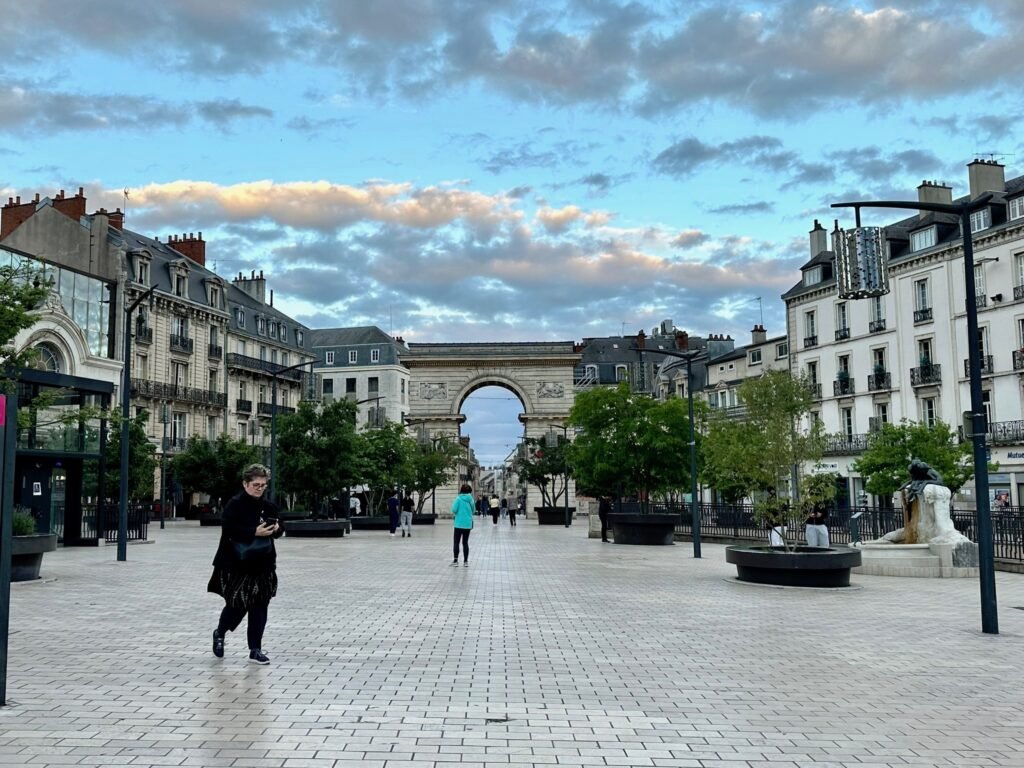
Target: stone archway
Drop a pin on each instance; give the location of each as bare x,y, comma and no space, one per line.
442,376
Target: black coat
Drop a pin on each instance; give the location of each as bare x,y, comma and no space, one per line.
241,517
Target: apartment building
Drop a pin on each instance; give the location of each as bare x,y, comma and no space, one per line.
904,355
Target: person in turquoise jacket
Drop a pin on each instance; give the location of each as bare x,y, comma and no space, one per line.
462,511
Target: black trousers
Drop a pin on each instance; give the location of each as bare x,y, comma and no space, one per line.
494,515
462,533
511,516
604,527
230,618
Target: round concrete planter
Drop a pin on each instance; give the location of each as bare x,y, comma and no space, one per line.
805,567
553,515
27,555
650,530
315,529
424,519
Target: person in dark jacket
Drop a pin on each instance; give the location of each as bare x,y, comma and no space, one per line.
604,508
816,529
245,569
394,503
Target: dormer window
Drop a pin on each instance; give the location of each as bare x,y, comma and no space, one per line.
261,326
282,332
981,220
329,358
142,272
1015,208
240,317
923,238
298,337
374,355
812,276
181,286
214,296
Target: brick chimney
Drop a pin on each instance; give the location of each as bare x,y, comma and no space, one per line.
933,192
117,219
682,340
986,176
14,213
72,207
190,246
641,339
758,335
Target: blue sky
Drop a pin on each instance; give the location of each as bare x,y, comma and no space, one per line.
502,170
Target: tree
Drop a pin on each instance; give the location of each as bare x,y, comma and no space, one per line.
383,453
214,467
891,449
142,461
318,451
21,291
768,445
429,465
542,465
629,443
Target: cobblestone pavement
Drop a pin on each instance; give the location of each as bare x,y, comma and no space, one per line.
549,649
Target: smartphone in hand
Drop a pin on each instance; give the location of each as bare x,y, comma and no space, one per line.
270,521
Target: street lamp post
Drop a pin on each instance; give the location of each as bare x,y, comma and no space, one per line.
986,560
694,510
273,420
164,418
126,392
553,442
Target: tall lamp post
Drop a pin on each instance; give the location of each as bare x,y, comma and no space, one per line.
126,395
165,416
861,245
552,440
273,419
694,510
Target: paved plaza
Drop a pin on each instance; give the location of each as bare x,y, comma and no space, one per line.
549,649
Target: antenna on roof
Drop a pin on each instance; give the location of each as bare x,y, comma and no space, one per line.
125,204
994,156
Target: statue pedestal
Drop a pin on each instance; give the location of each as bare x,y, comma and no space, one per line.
927,561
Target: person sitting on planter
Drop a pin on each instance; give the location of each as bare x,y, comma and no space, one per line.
816,529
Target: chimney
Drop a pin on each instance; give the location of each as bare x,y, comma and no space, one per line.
13,214
986,176
719,345
641,339
253,285
933,192
72,207
759,335
819,239
117,219
190,246
682,340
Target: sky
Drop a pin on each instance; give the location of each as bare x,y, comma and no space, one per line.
466,170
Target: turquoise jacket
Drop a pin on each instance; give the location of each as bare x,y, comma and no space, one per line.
462,510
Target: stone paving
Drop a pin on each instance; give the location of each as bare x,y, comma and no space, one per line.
549,649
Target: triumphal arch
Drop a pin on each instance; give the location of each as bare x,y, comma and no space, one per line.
540,374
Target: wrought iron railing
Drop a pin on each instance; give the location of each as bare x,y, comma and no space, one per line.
842,333
879,381
243,406
923,315
1018,359
1018,292
262,366
138,522
1006,431
143,334
981,300
159,390
214,351
876,326
926,374
986,365
181,344
266,409
846,445
842,387
810,341
815,387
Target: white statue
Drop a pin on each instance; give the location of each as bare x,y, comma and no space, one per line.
926,510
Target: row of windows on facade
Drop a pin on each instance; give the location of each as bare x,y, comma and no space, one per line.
181,377
353,357
180,331
372,387
928,414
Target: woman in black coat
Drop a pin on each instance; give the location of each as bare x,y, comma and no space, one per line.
244,568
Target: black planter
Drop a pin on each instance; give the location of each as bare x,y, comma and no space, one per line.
424,519
553,515
371,523
805,567
650,530
210,520
27,555
315,529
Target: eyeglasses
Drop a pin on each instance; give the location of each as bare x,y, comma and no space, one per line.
257,486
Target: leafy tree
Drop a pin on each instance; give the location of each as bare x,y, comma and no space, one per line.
318,451
429,465
629,443
543,466
214,467
384,453
891,449
763,449
21,291
142,461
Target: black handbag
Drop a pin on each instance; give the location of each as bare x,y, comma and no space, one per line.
253,551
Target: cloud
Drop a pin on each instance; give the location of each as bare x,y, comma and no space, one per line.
689,155
314,126
558,220
223,112
742,209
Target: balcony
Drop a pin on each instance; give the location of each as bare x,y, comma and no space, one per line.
842,386
880,381
1018,359
842,334
1006,431
981,301
175,444
810,341
247,363
815,387
1018,292
243,406
158,390
845,445
214,352
143,334
923,315
876,326
265,409
926,374
986,366
181,344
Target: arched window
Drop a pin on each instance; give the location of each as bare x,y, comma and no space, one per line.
50,358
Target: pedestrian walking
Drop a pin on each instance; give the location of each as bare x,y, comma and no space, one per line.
604,508
245,566
393,505
462,512
504,507
353,505
482,505
513,507
816,530
495,507
407,507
